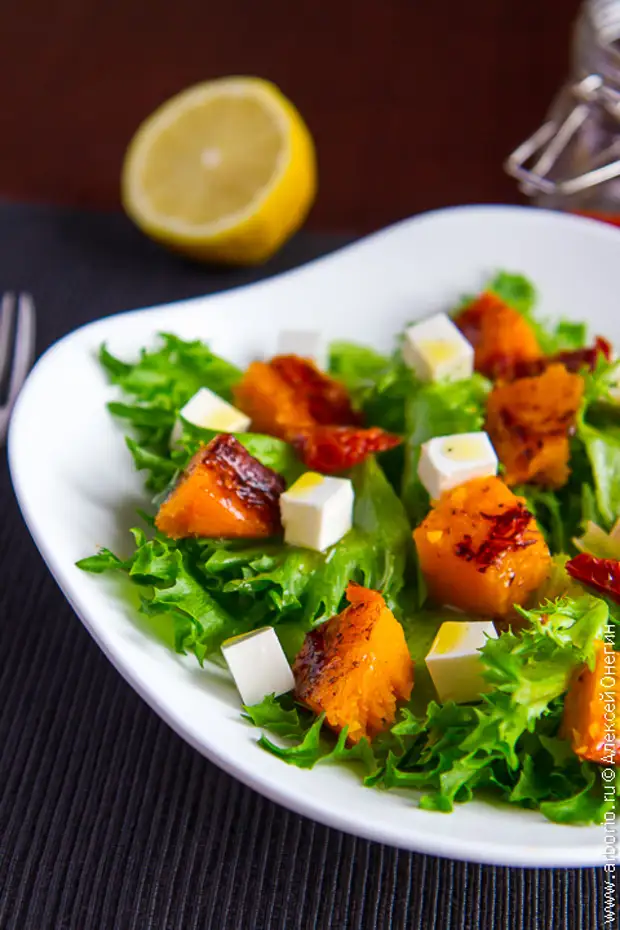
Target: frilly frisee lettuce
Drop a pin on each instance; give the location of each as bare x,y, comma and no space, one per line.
598,429
207,590
599,543
212,588
155,387
553,336
509,744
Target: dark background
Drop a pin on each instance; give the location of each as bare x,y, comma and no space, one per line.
413,104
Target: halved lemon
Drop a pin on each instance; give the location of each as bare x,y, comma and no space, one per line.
225,171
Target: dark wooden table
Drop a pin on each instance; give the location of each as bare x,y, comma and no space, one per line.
413,105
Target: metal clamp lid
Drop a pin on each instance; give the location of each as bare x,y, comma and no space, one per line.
549,142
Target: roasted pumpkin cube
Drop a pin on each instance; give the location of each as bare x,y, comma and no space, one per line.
356,666
530,421
480,549
273,405
289,397
290,394
591,720
499,334
327,400
224,492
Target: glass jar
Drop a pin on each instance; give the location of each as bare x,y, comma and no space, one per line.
573,161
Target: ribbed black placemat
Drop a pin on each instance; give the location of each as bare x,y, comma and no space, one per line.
107,819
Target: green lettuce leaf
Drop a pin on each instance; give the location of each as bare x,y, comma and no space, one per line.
167,377
215,588
598,430
519,293
439,409
558,583
514,289
277,715
156,386
164,572
360,368
597,542
284,583
379,385
603,450
162,470
510,743
457,750
546,506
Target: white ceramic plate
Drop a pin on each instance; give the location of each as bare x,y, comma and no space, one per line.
77,489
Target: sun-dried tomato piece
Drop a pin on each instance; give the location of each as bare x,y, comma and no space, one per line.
224,492
574,361
327,400
601,574
332,449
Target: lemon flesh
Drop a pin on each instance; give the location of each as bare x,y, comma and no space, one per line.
224,171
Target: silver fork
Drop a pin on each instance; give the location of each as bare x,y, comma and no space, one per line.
17,337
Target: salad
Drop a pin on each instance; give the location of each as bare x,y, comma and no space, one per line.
410,563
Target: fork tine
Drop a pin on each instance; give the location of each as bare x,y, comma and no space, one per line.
7,312
24,345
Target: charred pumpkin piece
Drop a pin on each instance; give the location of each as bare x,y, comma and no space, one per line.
290,394
591,700
356,666
289,397
530,421
480,549
225,492
327,400
274,405
500,335
332,449
574,361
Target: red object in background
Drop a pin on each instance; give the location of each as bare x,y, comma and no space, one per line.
613,219
601,574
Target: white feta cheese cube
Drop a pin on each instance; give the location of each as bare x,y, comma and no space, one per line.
317,511
454,660
258,665
447,461
437,350
210,411
305,343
